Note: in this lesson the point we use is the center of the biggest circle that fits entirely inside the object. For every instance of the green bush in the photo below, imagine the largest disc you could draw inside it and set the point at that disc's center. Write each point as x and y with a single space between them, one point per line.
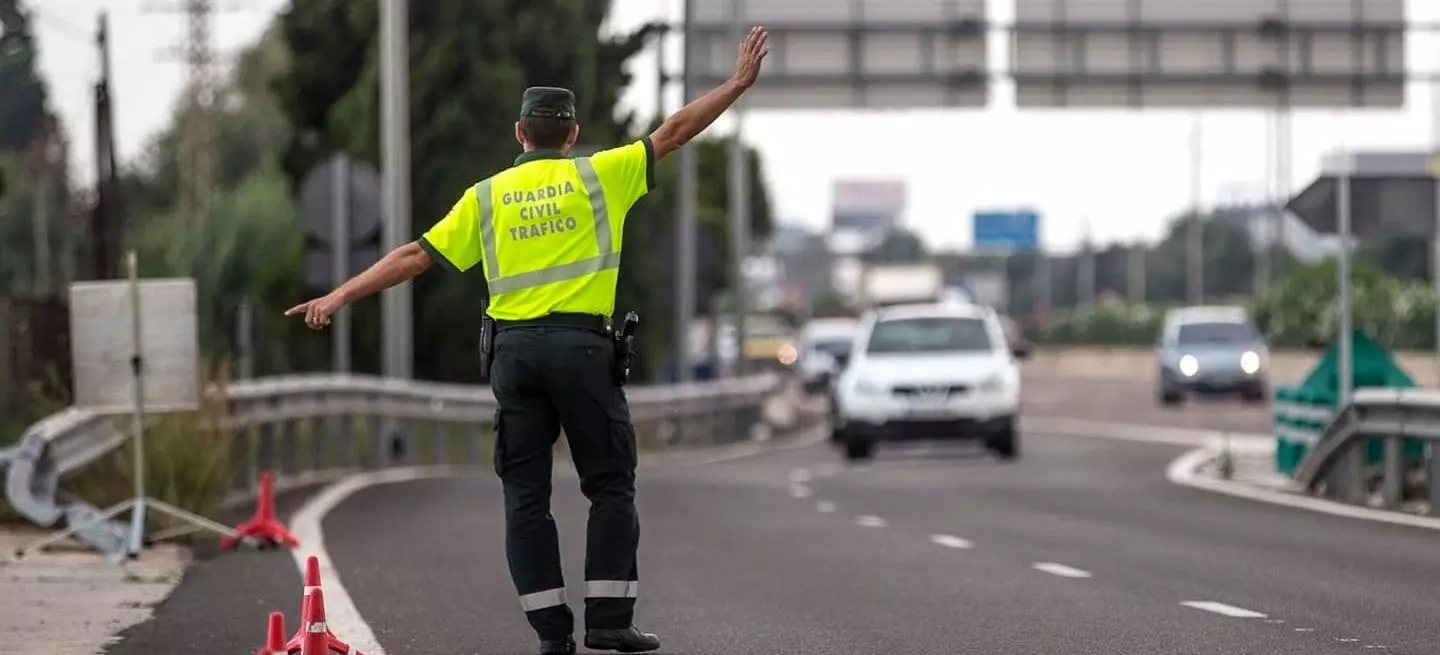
1296 311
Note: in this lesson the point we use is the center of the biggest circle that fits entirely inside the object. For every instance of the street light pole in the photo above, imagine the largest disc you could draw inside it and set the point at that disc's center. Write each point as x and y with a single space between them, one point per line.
396 338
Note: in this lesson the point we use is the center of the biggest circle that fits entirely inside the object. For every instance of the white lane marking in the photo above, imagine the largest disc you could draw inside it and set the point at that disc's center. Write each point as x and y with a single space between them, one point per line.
1348 640
1304 629
950 541
340 611
825 506
1223 609
869 521
799 491
800 475
828 469
1060 569
1185 471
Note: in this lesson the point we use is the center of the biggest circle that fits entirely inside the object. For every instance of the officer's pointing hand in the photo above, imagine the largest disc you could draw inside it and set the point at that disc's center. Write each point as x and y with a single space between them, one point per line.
752 52
318 311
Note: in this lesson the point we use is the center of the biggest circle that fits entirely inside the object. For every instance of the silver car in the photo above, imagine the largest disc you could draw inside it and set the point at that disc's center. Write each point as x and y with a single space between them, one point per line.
1211 351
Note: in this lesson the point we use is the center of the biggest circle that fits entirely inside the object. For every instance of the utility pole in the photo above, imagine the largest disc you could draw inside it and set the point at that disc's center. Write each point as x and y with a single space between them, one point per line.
104 219
1195 245
739 205
395 303
686 224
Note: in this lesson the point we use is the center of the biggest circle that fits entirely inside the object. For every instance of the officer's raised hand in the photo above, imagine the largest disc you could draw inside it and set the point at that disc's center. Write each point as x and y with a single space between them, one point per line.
752 52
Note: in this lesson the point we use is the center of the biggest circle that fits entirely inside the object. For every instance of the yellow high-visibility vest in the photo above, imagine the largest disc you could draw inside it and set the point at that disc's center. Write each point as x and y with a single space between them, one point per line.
547 231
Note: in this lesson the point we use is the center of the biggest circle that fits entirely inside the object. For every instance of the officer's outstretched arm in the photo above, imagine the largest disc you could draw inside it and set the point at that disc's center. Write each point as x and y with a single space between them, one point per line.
399 265
692 119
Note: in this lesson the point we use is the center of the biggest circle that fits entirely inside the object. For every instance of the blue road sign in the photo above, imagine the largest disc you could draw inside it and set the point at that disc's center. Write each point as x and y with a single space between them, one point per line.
1009 231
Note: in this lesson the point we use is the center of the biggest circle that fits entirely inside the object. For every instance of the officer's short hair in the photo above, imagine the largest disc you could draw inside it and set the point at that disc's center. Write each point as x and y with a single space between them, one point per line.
546 132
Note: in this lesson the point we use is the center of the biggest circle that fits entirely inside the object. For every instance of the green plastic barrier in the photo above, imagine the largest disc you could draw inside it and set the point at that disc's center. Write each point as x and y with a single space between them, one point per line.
1303 411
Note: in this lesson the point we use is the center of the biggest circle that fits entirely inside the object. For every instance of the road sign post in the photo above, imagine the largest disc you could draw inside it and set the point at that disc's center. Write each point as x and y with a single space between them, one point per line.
340 204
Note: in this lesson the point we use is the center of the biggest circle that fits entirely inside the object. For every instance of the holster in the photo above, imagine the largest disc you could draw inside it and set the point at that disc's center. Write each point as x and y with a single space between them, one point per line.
624 340
487 340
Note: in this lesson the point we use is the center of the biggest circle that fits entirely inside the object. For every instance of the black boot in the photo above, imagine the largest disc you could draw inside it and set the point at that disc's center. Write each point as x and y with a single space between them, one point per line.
624 640
564 646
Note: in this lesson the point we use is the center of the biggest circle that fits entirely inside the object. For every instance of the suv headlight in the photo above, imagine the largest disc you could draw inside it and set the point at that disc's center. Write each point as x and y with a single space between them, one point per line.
993 383
868 388
1189 365
1250 362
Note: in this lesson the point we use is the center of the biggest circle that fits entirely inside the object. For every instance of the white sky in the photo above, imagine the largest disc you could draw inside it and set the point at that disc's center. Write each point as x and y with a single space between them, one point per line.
1119 174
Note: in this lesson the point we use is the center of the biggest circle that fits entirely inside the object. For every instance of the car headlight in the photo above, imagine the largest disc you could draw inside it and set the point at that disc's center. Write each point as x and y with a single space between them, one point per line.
868 388
993 383
1189 365
1250 362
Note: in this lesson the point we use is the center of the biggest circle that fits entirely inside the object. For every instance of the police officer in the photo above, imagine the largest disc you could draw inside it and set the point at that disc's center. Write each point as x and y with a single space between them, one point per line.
547 234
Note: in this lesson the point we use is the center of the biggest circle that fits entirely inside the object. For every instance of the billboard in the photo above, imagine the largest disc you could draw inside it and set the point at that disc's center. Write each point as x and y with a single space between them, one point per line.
1213 54
866 206
849 54
1005 231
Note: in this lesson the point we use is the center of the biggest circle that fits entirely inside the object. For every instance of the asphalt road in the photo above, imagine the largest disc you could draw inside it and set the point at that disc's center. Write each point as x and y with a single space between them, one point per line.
1080 547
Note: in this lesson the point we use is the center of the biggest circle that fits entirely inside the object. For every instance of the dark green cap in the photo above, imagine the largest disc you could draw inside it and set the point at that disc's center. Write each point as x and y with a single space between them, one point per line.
548 102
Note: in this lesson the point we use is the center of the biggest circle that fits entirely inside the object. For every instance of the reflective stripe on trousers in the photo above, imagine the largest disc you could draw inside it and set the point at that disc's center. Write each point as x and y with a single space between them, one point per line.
612 589
542 599
606 259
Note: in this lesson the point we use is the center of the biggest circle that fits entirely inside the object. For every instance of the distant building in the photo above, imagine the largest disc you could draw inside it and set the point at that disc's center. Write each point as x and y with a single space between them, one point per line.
1302 242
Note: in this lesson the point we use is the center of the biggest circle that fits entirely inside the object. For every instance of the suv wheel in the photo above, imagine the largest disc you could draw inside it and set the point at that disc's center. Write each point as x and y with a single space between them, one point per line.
859 449
1005 443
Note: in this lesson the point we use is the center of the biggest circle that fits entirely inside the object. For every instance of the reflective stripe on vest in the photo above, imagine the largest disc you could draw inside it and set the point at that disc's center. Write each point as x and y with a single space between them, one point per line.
607 259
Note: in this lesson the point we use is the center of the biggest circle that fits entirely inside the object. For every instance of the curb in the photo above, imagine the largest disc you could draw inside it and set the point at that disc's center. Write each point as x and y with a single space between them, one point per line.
1185 471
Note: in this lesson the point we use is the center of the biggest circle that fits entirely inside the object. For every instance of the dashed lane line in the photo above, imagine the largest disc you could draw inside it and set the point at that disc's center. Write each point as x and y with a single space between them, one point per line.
1223 609
869 521
951 541
800 475
799 491
825 507
1060 569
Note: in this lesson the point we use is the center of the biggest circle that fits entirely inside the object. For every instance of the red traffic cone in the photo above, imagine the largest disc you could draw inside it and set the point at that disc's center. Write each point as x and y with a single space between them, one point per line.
312 591
263 527
314 633
274 636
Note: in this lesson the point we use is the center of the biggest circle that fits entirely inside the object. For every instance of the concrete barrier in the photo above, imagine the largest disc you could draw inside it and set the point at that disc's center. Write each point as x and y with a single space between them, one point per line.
1139 364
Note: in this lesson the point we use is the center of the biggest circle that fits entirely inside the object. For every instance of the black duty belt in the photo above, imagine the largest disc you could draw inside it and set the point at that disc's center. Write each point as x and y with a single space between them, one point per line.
584 321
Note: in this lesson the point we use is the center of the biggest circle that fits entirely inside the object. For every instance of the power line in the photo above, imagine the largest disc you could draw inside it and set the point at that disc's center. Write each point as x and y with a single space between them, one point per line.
62 25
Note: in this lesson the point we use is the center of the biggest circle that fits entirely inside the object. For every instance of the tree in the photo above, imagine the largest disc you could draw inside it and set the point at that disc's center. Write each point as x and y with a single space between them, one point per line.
23 111
469 63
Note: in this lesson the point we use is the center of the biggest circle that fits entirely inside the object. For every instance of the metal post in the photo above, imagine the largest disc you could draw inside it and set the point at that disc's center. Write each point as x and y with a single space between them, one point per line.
1435 175
1195 250
685 229
1284 152
739 204
1085 294
137 416
1136 268
340 260
1266 244
1342 199
245 339
395 151
41 217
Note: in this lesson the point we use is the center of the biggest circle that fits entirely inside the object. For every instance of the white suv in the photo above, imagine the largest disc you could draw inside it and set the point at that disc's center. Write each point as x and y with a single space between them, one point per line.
934 371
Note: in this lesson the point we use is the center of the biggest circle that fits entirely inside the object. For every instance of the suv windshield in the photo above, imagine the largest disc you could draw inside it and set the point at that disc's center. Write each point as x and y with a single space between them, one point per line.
1227 332
922 335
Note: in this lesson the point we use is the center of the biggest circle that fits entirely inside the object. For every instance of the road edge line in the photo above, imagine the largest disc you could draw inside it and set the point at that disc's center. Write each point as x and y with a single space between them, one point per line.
342 614
1185 471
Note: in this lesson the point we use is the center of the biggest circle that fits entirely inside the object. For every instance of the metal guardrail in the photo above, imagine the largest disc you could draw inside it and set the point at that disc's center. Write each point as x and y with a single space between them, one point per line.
1335 466
309 428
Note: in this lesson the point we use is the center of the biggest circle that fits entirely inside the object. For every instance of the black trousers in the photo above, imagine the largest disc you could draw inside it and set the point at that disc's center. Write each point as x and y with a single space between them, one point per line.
547 379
